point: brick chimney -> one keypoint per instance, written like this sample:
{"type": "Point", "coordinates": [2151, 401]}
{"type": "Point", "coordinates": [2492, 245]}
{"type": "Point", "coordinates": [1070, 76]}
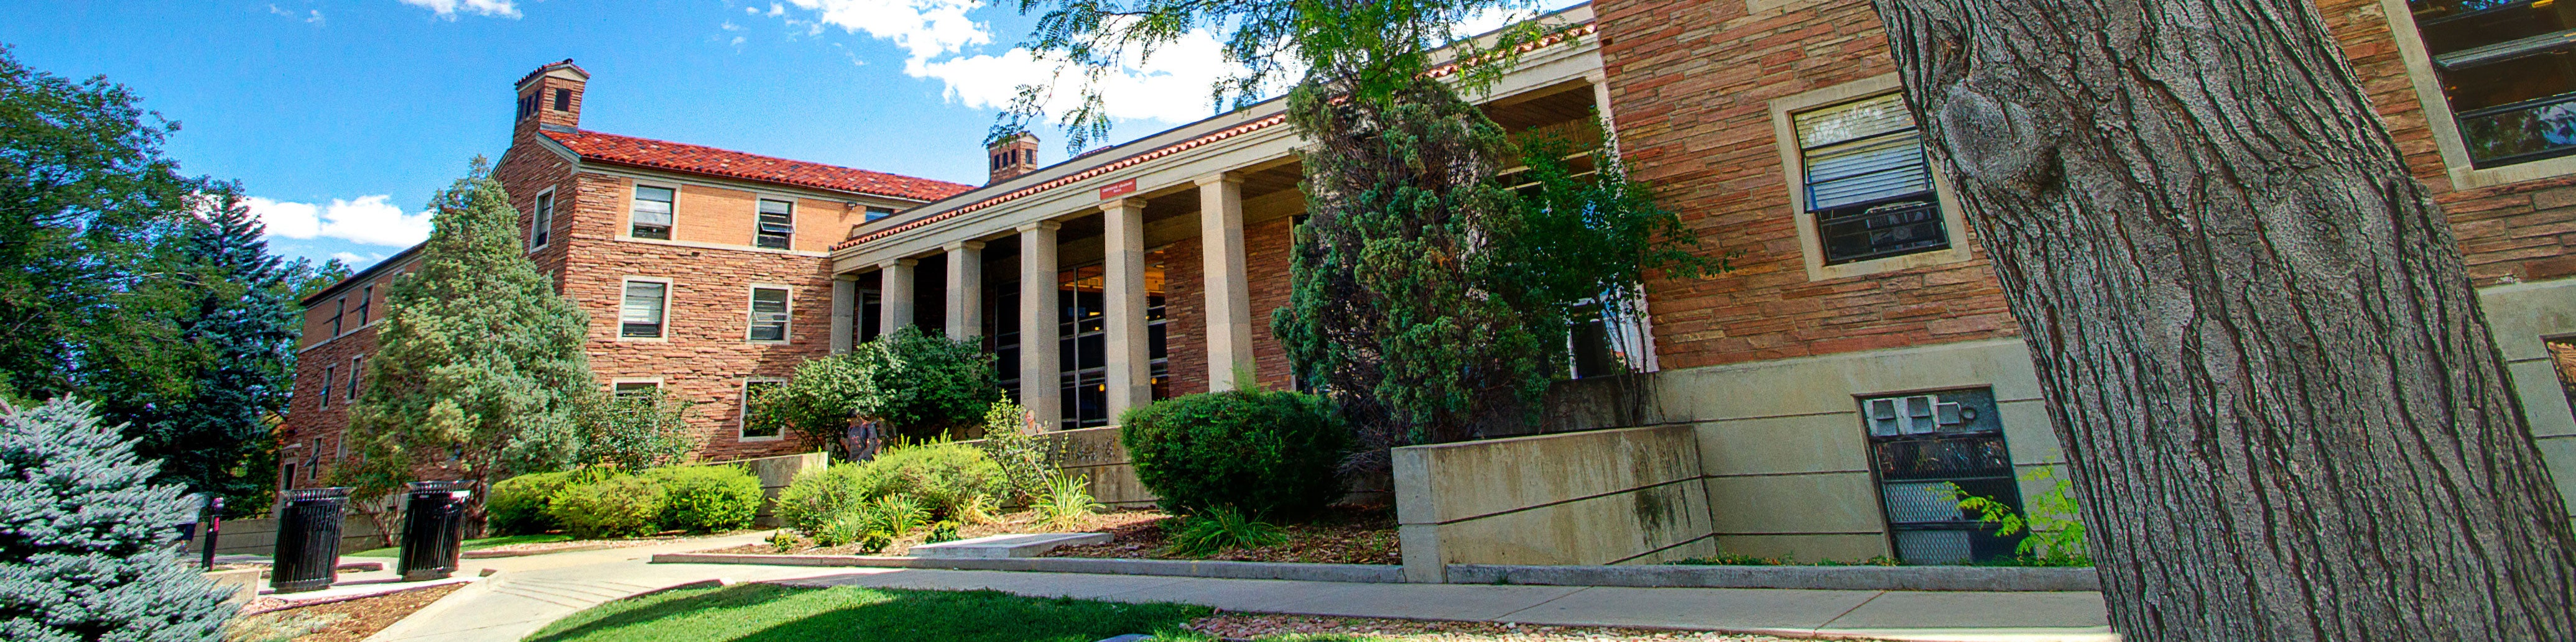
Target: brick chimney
{"type": "Point", "coordinates": [548, 98]}
{"type": "Point", "coordinates": [1011, 157]}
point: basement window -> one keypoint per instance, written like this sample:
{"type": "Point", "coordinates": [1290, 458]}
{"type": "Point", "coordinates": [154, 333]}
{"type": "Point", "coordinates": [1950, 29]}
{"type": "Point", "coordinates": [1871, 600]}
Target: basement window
{"type": "Point", "coordinates": [777, 224]}
{"type": "Point", "coordinates": [1866, 181]}
{"type": "Point", "coordinates": [652, 218]}
{"type": "Point", "coordinates": [1922, 445]}
{"type": "Point", "coordinates": [2508, 68]}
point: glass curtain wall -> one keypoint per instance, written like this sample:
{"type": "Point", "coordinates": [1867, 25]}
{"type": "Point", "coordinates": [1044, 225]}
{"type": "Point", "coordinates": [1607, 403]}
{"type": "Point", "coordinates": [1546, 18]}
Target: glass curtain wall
{"type": "Point", "coordinates": [1083, 351]}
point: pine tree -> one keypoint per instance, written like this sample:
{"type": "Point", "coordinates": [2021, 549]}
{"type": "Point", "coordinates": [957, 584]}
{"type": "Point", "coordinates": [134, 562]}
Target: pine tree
{"type": "Point", "coordinates": [86, 540]}
{"type": "Point", "coordinates": [479, 361]}
{"type": "Point", "coordinates": [221, 323]}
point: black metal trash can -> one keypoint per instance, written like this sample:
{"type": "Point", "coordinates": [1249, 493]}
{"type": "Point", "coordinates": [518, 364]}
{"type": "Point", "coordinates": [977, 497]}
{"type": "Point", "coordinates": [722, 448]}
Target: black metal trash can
{"type": "Point", "coordinates": [307, 557]}
{"type": "Point", "coordinates": [433, 529]}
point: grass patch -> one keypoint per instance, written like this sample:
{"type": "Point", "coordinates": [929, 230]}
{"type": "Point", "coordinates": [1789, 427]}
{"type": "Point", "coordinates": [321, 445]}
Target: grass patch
{"type": "Point", "coordinates": [473, 544]}
{"type": "Point", "coordinates": [772, 613]}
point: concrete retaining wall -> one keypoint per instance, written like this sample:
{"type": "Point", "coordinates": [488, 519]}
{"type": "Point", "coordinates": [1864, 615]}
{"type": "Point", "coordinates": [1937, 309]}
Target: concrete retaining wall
{"type": "Point", "coordinates": [259, 536]}
{"type": "Point", "coordinates": [1165, 568]}
{"type": "Point", "coordinates": [775, 474]}
{"type": "Point", "coordinates": [1627, 496]}
{"type": "Point", "coordinates": [1840, 578]}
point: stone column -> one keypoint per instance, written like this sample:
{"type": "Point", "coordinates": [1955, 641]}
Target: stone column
{"type": "Point", "coordinates": [1123, 266]}
{"type": "Point", "coordinates": [1041, 379]}
{"type": "Point", "coordinates": [1601, 101]}
{"type": "Point", "coordinates": [965, 289]}
{"type": "Point", "coordinates": [845, 317]}
{"type": "Point", "coordinates": [1229, 302]}
{"type": "Point", "coordinates": [894, 294]}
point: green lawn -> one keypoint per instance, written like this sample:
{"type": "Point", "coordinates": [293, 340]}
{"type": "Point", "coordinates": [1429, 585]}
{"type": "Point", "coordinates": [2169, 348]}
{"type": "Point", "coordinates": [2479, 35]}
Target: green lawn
{"type": "Point", "coordinates": [767, 612]}
{"type": "Point", "coordinates": [472, 544]}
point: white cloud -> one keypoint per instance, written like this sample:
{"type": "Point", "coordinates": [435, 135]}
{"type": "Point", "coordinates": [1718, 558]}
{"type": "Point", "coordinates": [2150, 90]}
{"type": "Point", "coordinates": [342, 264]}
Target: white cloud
{"type": "Point", "coordinates": [935, 34]}
{"type": "Point", "coordinates": [369, 219]}
{"type": "Point", "coordinates": [356, 262]}
{"type": "Point", "coordinates": [448, 9]}
{"type": "Point", "coordinates": [923, 28]}
{"type": "Point", "coordinates": [313, 17]}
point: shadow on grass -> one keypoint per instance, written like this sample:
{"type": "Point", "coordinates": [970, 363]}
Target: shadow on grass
{"type": "Point", "coordinates": [771, 613]}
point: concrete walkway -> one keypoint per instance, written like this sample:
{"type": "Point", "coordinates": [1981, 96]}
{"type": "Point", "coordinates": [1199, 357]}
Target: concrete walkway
{"type": "Point", "coordinates": [530, 592]}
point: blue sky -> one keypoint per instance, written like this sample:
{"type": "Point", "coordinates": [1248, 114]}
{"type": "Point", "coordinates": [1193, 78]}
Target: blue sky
{"type": "Point", "coordinates": [343, 116]}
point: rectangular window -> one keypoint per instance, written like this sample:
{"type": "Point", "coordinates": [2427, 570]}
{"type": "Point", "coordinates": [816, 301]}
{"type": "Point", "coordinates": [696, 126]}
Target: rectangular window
{"type": "Point", "coordinates": [328, 373]}
{"type": "Point", "coordinates": [652, 218]}
{"type": "Point", "coordinates": [287, 472]}
{"type": "Point", "coordinates": [777, 224]}
{"type": "Point", "coordinates": [339, 308]}
{"type": "Point", "coordinates": [2508, 68]}
{"type": "Point", "coordinates": [768, 314]}
{"type": "Point", "coordinates": [541, 222]}
{"type": "Point", "coordinates": [1867, 182]}
{"type": "Point", "coordinates": [366, 297]}
{"type": "Point", "coordinates": [634, 390]}
{"type": "Point", "coordinates": [1082, 348]}
{"type": "Point", "coordinates": [875, 213]}
{"type": "Point", "coordinates": [641, 314]}
{"type": "Point", "coordinates": [563, 99]}
{"type": "Point", "coordinates": [1922, 444]}
{"type": "Point", "coordinates": [752, 390]}
{"type": "Point", "coordinates": [357, 364]}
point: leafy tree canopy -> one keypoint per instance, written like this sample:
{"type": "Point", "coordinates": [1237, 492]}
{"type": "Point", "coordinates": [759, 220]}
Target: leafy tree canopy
{"type": "Point", "coordinates": [920, 384]}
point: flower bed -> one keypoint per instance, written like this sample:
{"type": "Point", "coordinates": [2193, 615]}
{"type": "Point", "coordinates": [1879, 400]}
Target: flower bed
{"type": "Point", "coordinates": [1341, 535]}
{"type": "Point", "coordinates": [1020, 522]}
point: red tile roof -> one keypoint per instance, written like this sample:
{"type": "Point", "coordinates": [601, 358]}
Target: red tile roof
{"type": "Point", "coordinates": [701, 159]}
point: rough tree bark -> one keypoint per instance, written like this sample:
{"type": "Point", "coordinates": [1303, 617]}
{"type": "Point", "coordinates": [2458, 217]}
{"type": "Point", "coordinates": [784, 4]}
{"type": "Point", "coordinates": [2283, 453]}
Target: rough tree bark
{"type": "Point", "coordinates": [2281, 403]}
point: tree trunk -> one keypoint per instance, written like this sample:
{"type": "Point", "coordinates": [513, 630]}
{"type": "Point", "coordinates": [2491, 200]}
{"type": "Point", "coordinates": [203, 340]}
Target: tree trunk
{"type": "Point", "coordinates": [2281, 403]}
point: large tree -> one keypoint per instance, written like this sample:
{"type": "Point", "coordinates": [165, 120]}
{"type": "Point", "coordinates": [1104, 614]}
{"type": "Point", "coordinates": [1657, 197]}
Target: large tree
{"type": "Point", "coordinates": [210, 326]}
{"type": "Point", "coordinates": [481, 365]}
{"type": "Point", "coordinates": [84, 191]}
{"type": "Point", "coordinates": [2280, 401]}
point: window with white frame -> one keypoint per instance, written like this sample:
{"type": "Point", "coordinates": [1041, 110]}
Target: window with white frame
{"type": "Point", "coordinates": [751, 390]}
{"type": "Point", "coordinates": [652, 216]}
{"type": "Point", "coordinates": [768, 314]}
{"type": "Point", "coordinates": [328, 373]}
{"type": "Point", "coordinates": [640, 315]}
{"type": "Point", "coordinates": [777, 224]}
{"type": "Point", "coordinates": [1866, 181]}
{"type": "Point", "coordinates": [541, 221]}
{"type": "Point", "coordinates": [2508, 70]}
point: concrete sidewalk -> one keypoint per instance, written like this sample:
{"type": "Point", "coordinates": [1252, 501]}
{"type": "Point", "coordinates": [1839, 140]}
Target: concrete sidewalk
{"type": "Point", "coordinates": [1962, 616]}
{"type": "Point", "coordinates": [531, 592]}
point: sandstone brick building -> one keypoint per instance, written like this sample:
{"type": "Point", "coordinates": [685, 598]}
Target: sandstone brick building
{"type": "Point", "coordinates": [1806, 403]}
{"type": "Point", "coordinates": [703, 269]}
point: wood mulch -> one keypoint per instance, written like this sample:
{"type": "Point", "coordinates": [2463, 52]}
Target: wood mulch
{"type": "Point", "coordinates": [1019, 522]}
{"type": "Point", "coordinates": [347, 620]}
{"type": "Point", "coordinates": [1342, 535]}
{"type": "Point", "coordinates": [1242, 626]}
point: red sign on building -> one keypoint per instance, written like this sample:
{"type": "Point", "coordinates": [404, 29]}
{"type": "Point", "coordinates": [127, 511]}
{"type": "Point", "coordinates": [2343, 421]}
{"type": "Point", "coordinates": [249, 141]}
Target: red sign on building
{"type": "Point", "coordinates": [1117, 189]}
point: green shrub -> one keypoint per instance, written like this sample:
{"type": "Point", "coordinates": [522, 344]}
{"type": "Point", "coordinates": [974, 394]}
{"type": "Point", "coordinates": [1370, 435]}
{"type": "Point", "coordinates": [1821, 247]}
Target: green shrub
{"type": "Point", "coordinates": [707, 498]}
{"type": "Point", "coordinates": [944, 531]}
{"type": "Point", "coordinates": [518, 504]}
{"type": "Point", "coordinates": [900, 515]}
{"type": "Point", "coordinates": [1268, 454]}
{"type": "Point", "coordinates": [1066, 502]}
{"type": "Point", "coordinates": [945, 476]}
{"type": "Point", "coordinates": [1220, 529]}
{"type": "Point", "coordinates": [819, 496]}
{"type": "Point", "coordinates": [920, 384]}
{"type": "Point", "coordinates": [619, 506]}
{"type": "Point", "coordinates": [1022, 456]}
{"type": "Point", "coordinates": [839, 531]}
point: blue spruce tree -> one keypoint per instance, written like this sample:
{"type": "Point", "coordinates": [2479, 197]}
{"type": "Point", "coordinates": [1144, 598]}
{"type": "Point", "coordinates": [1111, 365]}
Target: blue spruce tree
{"type": "Point", "coordinates": [86, 540]}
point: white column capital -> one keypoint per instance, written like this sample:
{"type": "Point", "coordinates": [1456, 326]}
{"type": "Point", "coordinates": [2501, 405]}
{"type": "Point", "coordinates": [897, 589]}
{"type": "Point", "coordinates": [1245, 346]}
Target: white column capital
{"type": "Point", "coordinates": [1048, 226]}
{"type": "Point", "coordinates": [896, 263]}
{"type": "Point", "coordinates": [1122, 204]}
{"type": "Point", "coordinates": [953, 246]}
{"type": "Point", "coordinates": [1219, 177]}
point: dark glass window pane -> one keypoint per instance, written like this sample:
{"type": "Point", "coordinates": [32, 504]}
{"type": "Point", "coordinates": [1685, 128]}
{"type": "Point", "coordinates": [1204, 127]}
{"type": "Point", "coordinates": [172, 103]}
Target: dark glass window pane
{"type": "Point", "coordinates": [1880, 229]}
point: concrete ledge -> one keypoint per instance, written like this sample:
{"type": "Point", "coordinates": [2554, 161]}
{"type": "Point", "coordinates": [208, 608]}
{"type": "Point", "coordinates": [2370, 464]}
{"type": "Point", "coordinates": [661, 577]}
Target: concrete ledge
{"type": "Point", "coordinates": [1850, 578]}
{"type": "Point", "coordinates": [492, 554]}
{"type": "Point", "coordinates": [1009, 545]}
{"type": "Point", "coordinates": [1106, 566]}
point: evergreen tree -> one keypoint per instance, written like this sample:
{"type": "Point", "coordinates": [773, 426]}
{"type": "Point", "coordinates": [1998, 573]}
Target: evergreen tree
{"type": "Point", "coordinates": [480, 364]}
{"type": "Point", "coordinates": [220, 323]}
{"type": "Point", "coordinates": [86, 540]}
